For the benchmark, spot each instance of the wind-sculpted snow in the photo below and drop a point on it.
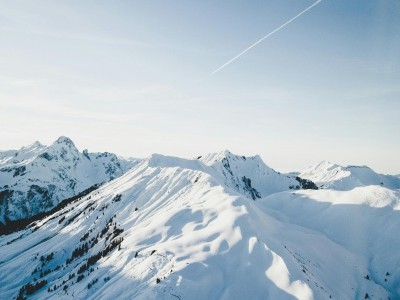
(172, 228)
(363, 221)
(328, 175)
(36, 178)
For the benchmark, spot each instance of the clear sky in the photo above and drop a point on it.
(133, 78)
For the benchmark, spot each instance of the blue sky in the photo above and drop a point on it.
(133, 77)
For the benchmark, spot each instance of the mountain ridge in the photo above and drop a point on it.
(329, 175)
(174, 228)
(36, 178)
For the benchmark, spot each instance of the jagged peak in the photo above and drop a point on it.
(33, 146)
(65, 148)
(64, 140)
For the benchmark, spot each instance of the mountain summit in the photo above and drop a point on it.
(251, 176)
(36, 178)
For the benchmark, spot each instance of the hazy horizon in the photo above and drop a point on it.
(133, 78)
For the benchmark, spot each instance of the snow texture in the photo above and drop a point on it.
(173, 228)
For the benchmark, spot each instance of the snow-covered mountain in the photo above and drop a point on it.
(36, 178)
(173, 228)
(251, 176)
(328, 175)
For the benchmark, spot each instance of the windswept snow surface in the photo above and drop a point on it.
(173, 228)
(328, 175)
(36, 178)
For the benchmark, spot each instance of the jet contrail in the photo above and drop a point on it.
(263, 38)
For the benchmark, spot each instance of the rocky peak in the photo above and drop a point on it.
(65, 141)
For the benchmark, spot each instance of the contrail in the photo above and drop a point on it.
(263, 38)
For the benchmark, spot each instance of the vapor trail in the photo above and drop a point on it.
(263, 38)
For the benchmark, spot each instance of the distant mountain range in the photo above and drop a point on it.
(328, 175)
(218, 226)
(36, 178)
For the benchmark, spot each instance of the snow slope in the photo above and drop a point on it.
(36, 178)
(328, 175)
(173, 228)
